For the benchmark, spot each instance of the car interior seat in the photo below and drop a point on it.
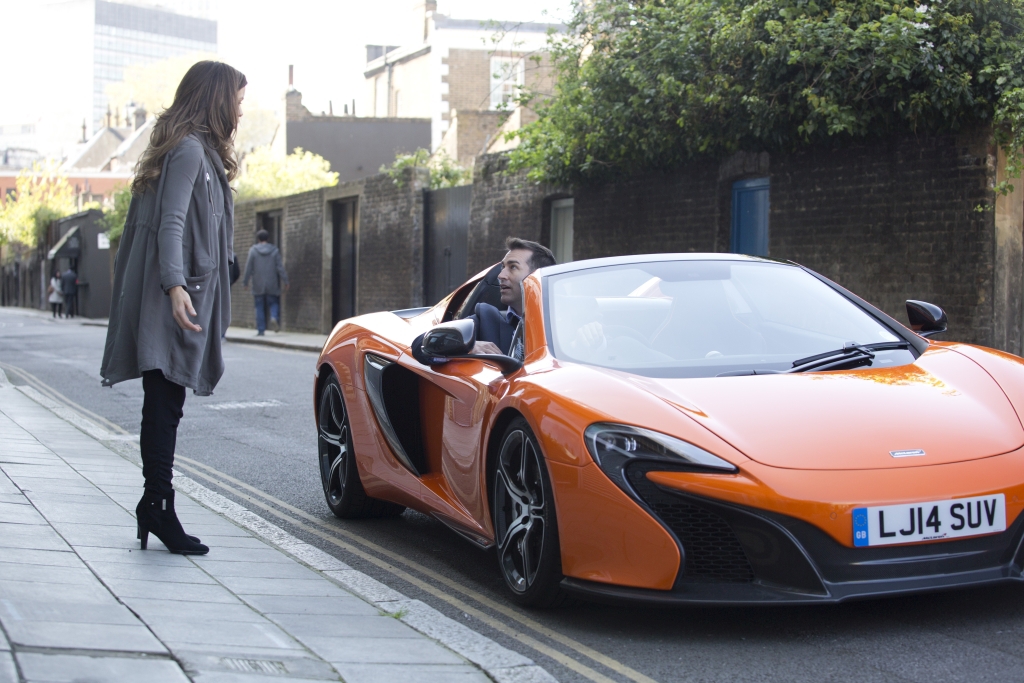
(486, 291)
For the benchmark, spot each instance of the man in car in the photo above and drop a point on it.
(500, 332)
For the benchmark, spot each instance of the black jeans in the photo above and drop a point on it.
(70, 305)
(161, 413)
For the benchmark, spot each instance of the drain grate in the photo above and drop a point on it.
(255, 666)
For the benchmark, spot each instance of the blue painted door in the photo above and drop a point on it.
(750, 217)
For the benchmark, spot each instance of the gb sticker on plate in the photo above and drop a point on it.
(933, 521)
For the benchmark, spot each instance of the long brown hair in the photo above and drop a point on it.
(206, 102)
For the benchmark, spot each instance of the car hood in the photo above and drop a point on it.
(943, 404)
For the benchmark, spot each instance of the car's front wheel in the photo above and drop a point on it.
(525, 526)
(343, 490)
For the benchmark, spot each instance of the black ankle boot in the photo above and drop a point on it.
(155, 513)
(139, 513)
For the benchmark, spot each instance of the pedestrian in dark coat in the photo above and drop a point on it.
(69, 287)
(171, 298)
(266, 270)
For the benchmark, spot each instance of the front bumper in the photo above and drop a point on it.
(736, 555)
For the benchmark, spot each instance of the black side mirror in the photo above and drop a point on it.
(455, 338)
(926, 319)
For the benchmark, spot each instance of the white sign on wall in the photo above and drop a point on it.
(102, 241)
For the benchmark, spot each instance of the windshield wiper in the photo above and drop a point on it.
(851, 352)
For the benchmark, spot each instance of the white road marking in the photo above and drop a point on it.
(242, 405)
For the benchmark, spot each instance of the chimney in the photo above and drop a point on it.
(291, 77)
(139, 117)
(84, 139)
(108, 116)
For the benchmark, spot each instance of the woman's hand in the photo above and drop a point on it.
(181, 308)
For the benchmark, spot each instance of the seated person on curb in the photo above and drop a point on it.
(500, 332)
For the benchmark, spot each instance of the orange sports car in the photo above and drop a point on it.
(686, 428)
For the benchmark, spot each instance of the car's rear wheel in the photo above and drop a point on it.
(525, 526)
(343, 491)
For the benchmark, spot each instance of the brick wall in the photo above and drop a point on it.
(468, 79)
(891, 220)
(503, 205)
(390, 242)
(389, 248)
(303, 244)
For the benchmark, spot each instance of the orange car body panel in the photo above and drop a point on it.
(812, 446)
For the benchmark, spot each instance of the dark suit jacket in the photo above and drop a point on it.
(491, 326)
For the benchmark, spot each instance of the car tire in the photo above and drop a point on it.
(343, 490)
(525, 524)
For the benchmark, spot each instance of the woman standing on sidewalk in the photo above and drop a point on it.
(172, 299)
(56, 296)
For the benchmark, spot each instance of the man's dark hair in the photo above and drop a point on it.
(540, 256)
(262, 236)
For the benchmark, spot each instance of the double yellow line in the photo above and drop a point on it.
(504, 619)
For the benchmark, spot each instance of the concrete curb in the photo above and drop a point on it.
(496, 661)
(275, 343)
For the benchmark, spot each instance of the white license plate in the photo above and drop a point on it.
(917, 522)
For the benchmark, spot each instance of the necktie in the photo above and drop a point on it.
(517, 351)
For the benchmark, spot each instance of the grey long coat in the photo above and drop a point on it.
(181, 233)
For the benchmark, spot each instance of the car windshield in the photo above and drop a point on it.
(705, 318)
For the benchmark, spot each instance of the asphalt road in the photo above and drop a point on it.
(255, 442)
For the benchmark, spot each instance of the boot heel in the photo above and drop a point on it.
(143, 536)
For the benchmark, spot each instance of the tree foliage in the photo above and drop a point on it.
(115, 215)
(42, 195)
(267, 175)
(649, 84)
(444, 171)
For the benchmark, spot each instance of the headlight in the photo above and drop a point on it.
(614, 446)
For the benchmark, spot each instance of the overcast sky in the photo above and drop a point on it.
(324, 39)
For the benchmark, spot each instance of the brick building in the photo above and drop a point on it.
(468, 68)
(353, 248)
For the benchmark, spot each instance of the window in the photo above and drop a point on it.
(561, 229)
(506, 80)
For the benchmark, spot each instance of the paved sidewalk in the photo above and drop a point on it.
(297, 341)
(80, 602)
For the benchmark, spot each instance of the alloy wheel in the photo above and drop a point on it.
(334, 444)
(520, 510)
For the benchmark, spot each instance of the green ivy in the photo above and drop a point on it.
(444, 171)
(649, 84)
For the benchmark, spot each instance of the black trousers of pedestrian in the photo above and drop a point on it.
(70, 305)
(161, 413)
